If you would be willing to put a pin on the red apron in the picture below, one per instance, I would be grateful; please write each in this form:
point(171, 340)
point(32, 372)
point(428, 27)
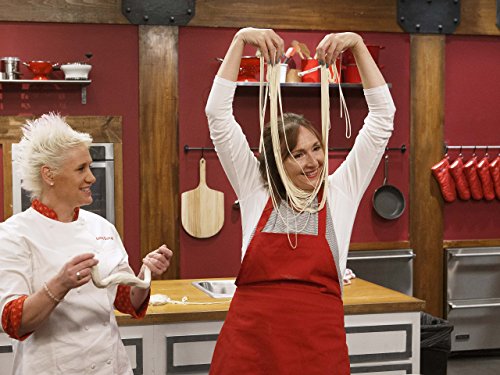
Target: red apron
point(286, 316)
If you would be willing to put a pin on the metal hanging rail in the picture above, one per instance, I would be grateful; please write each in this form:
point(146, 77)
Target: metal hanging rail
point(188, 148)
point(485, 147)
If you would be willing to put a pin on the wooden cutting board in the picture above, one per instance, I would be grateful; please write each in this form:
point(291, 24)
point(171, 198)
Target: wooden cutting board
point(202, 209)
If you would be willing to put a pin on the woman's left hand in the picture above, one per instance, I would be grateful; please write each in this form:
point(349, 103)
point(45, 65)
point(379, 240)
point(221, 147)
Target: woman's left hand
point(158, 260)
point(333, 45)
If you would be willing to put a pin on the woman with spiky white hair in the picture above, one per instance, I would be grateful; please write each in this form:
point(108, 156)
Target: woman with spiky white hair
point(61, 322)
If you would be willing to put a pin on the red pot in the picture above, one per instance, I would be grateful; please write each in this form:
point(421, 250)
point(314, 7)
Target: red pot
point(309, 64)
point(348, 58)
point(249, 69)
point(40, 69)
point(351, 74)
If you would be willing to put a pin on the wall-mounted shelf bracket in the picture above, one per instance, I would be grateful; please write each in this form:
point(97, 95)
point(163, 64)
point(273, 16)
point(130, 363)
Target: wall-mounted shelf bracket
point(159, 12)
point(429, 17)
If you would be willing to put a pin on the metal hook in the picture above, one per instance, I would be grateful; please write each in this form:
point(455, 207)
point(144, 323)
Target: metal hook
point(474, 151)
point(486, 152)
point(460, 152)
point(202, 152)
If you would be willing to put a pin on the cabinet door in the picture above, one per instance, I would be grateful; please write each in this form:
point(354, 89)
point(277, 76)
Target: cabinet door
point(186, 348)
point(139, 344)
point(6, 354)
point(384, 343)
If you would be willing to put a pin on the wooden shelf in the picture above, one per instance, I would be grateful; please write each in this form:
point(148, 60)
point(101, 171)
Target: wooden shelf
point(76, 82)
point(306, 85)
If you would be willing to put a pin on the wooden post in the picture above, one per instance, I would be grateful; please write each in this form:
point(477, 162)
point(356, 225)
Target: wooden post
point(426, 140)
point(159, 150)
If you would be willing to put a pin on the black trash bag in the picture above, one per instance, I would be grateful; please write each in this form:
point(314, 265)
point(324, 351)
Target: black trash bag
point(435, 344)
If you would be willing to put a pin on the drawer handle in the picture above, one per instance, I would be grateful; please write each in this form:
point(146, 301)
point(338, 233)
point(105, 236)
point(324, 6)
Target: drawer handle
point(473, 305)
point(468, 255)
point(409, 256)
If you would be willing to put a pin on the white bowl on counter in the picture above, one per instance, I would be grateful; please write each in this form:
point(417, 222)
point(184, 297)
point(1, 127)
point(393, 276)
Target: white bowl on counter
point(76, 71)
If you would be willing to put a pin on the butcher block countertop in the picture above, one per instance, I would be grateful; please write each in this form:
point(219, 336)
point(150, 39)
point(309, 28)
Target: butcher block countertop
point(361, 297)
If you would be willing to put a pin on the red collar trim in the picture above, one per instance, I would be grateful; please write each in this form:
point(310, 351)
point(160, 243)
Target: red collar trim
point(49, 212)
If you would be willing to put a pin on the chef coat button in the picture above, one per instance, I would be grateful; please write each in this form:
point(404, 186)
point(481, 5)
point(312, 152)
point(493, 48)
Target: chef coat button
point(92, 366)
point(108, 361)
point(86, 328)
point(78, 290)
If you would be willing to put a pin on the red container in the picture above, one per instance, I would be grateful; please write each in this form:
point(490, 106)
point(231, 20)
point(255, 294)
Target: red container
point(309, 64)
point(316, 75)
point(249, 69)
point(348, 57)
point(40, 69)
point(338, 63)
point(351, 74)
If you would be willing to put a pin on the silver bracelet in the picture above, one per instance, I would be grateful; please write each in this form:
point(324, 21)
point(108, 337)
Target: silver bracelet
point(49, 293)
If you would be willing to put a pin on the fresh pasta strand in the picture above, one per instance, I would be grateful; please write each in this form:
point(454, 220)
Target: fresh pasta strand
point(342, 103)
point(298, 199)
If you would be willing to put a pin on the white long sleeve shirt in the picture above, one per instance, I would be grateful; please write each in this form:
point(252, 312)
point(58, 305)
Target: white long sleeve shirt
point(346, 185)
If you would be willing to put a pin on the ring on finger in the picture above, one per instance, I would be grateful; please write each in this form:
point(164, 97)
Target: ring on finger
point(78, 276)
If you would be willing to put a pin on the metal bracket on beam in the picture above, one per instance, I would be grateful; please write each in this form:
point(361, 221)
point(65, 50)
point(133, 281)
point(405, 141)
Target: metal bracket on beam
point(429, 16)
point(159, 12)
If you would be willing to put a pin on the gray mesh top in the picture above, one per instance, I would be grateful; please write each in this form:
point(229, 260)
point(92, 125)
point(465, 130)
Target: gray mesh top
point(303, 223)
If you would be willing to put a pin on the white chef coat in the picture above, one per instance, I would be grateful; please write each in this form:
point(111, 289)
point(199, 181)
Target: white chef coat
point(347, 184)
point(81, 335)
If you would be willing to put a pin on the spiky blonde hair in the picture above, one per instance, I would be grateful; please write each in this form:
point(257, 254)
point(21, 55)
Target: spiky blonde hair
point(45, 142)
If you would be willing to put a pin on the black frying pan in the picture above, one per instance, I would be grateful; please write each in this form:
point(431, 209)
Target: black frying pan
point(388, 201)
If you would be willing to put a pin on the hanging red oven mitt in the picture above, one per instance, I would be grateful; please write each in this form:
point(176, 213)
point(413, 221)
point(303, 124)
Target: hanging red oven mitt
point(446, 184)
point(483, 170)
point(470, 169)
point(495, 175)
point(457, 172)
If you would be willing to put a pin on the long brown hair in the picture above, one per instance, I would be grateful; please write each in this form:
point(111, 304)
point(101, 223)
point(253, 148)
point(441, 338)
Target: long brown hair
point(292, 124)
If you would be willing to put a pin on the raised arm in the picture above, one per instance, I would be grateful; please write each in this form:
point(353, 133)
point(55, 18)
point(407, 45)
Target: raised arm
point(233, 150)
point(356, 172)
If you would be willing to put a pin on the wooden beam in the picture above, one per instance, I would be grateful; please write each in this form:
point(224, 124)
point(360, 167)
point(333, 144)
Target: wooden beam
point(70, 11)
point(477, 16)
point(341, 15)
point(426, 139)
point(159, 149)
point(101, 128)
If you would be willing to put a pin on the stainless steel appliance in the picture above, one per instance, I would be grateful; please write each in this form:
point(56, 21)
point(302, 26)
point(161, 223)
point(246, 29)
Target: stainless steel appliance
point(390, 268)
point(103, 190)
point(473, 297)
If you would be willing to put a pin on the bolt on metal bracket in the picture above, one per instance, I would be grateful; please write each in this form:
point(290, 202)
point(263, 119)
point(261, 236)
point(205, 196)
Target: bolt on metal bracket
point(159, 12)
point(429, 16)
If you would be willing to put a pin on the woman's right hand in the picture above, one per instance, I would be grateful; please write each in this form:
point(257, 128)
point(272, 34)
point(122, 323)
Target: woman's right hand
point(269, 43)
point(76, 272)
point(266, 40)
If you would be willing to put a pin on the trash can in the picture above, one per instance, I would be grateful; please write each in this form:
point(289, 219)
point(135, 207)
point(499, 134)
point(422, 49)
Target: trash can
point(435, 344)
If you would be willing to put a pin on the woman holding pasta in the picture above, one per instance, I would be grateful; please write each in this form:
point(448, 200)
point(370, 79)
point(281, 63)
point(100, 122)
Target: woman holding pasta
point(287, 314)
